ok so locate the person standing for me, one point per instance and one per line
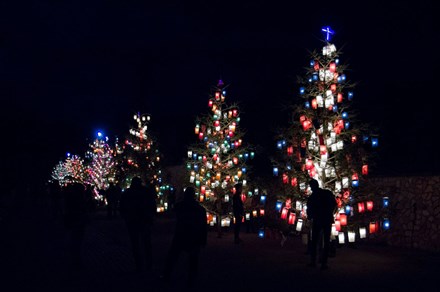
(238, 211)
(190, 235)
(138, 208)
(321, 206)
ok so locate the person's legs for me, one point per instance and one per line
(171, 260)
(193, 266)
(326, 238)
(316, 230)
(237, 227)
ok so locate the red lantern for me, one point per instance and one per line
(217, 95)
(373, 227)
(316, 65)
(322, 149)
(355, 176)
(285, 178)
(292, 218)
(309, 164)
(261, 212)
(370, 205)
(290, 150)
(201, 136)
(306, 125)
(284, 213)
(314, 103)
(365, 169)
(332, 67)
(235, 160)
(339, 98)
(343, 219)
(338, 225)
(353, 139)
(333, 87)
(361, 207)
(210, 103)
(293, 181)
(234, 113)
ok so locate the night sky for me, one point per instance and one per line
(71, 68)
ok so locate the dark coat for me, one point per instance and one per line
(138, 205)
(321, 206)
(191, 226)
(237, 205)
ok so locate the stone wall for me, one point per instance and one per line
(415, 211)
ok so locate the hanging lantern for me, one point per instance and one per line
(293, 181)
(292, 217)
(248, 216)
(284, 213)
(343, 219)
(341, 238)
(351, 236)
(335, 232)
(210, 103)
(361, 207)
(373, 227)
(261, 233)
(299, 225)
(365, 169)
(254, 213)
(285, 178)
(339, 98)
(338, 225)
(386, 224)
(362, 232)
(374, 142)
(332, 67)
(278, 206)
(261, 212)
(217, 95)
(275, 171)
(370, 205)
(289, 151)
(385, 201)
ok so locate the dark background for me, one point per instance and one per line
(71, 68)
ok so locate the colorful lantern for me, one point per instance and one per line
(284, 213)
(292, 217)
(385, 202)
(373, 227)
(343, 219)
(370, 205)
(351, 236)
(362, 232)
(361, 207)
(341, 238)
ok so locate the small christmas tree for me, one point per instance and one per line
(219, 160)
(326, 142)
(100, 165)
(71, 169)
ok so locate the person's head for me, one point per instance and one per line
(238, 188)
(189, 194)
(136, 182)
(314, 184)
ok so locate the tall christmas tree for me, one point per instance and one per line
(219, 160)
(327, 143)
(139, 155)
(101, 164)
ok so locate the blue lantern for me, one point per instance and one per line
(350, 95)
(278, 206)
(386, 224)
(275, 171)
(344, 115)
(374, 142)
(263, 199)
(302, 90)
(261, 233)
(385, 201)
(355, 183)
(307, 104)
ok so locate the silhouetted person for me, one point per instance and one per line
(138, 208)
(190, 235)
(238, 211)
(321, 206)
(113, 194)
(76, 217)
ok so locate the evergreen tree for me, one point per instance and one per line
(219, 160)
(139, 155)
(100, 165)
(72, 168)
(326, 142)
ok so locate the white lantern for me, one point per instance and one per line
(341, 238)
(334, 231)
(299, 225)
(340, 145)
(362, 232)
(345, 182)
(319, 100)
(351, 236)
(338, 186)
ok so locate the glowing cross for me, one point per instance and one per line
(328, 31)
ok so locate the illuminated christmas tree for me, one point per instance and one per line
(101, 165)
(139, 155)
(72, 168)
(326, 142)
(219, 160)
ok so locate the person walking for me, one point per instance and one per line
(321, 206)
(238, 211)
(76, 217)
(138, 208)
(190, 235)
